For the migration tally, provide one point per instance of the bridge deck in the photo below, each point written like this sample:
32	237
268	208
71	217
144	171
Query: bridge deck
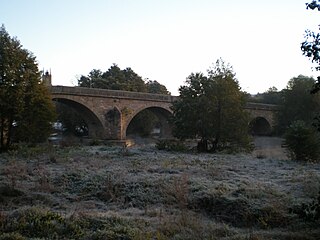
107	93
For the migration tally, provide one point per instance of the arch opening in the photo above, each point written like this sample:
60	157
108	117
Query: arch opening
150	122
89	124
259	126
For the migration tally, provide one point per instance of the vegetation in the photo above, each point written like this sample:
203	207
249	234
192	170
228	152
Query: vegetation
302	142
297	103
26	110
271	96
72	121
310	47
116	79
102	192
212	108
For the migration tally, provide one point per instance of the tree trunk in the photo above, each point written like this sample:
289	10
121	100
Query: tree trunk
202	145
5	134
1	134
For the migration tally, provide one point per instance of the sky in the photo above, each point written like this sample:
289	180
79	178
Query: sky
165	40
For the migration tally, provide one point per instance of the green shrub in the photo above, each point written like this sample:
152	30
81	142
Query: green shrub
171	145
302	142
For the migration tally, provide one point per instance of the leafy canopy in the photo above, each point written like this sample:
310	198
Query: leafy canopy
26	110
116	79
211	108
302	142
311	45
297	103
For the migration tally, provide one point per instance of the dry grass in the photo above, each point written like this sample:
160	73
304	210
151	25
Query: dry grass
144	193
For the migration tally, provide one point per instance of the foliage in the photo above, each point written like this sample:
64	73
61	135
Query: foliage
211	108
71	120
171	145
40	223
311	45
143	123
39	112
156	87
271	96
114	78
297	103
302	142
309	211
24	102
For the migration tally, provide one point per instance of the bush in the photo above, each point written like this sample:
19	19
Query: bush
11	236
309	211
39	223
302	142
171	145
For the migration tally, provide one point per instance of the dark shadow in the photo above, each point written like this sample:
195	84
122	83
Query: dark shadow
260	127
150	122
94	126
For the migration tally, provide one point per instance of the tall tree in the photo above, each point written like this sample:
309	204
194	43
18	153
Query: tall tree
311	46
298	103
115	79
271	96
24	101
212	108
156	87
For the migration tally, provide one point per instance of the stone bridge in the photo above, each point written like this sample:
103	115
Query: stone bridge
108	113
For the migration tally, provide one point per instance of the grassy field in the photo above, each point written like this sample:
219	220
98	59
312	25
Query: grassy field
104	192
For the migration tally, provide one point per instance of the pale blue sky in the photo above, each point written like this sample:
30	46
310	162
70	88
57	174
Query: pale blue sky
165	40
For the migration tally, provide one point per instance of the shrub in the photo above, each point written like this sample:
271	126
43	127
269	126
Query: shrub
302	142
171	145
11	236
38	223
309	211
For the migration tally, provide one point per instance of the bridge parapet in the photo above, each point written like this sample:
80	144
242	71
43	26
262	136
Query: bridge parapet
107	93
262	106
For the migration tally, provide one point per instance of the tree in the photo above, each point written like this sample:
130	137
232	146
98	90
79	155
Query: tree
311	46
24	102
212	108
271	96
302	142
71	120
35	125
114	78
156	87
297	103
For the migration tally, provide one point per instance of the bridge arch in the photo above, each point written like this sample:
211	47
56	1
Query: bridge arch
162	113
260	126
95	127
